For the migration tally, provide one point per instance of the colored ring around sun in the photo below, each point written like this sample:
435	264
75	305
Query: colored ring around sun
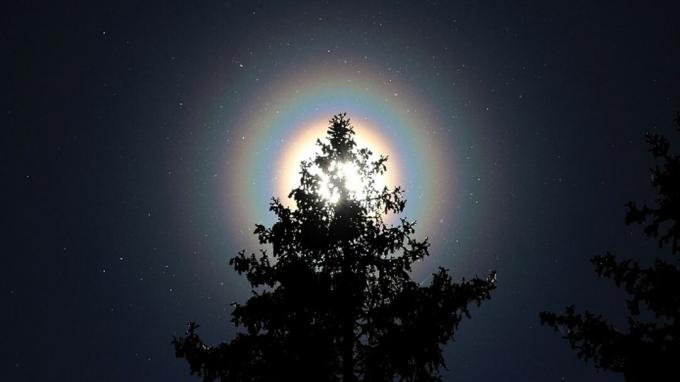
294	112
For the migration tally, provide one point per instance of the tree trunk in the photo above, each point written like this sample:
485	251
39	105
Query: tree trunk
347	321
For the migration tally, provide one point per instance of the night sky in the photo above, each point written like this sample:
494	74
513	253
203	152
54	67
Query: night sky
141	143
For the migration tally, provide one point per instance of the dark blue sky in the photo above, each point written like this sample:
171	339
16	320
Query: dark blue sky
120	121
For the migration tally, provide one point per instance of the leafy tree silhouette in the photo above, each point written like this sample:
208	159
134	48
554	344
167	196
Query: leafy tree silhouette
650	349
335	301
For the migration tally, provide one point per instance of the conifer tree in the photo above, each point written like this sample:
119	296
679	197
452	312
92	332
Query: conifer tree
334	301
649	350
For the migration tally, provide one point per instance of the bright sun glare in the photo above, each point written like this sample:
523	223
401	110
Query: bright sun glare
344	173
303	147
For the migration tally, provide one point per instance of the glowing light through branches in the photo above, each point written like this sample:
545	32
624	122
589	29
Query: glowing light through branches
347	175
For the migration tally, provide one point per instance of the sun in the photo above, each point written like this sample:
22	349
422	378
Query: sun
345	174
303	147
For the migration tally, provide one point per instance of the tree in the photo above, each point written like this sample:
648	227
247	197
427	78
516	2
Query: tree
335	301
650	349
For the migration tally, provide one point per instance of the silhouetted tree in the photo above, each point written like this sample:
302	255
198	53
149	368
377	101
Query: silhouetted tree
335	301
650	349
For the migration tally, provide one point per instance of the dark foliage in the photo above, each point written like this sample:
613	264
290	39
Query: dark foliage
650	349
335	301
